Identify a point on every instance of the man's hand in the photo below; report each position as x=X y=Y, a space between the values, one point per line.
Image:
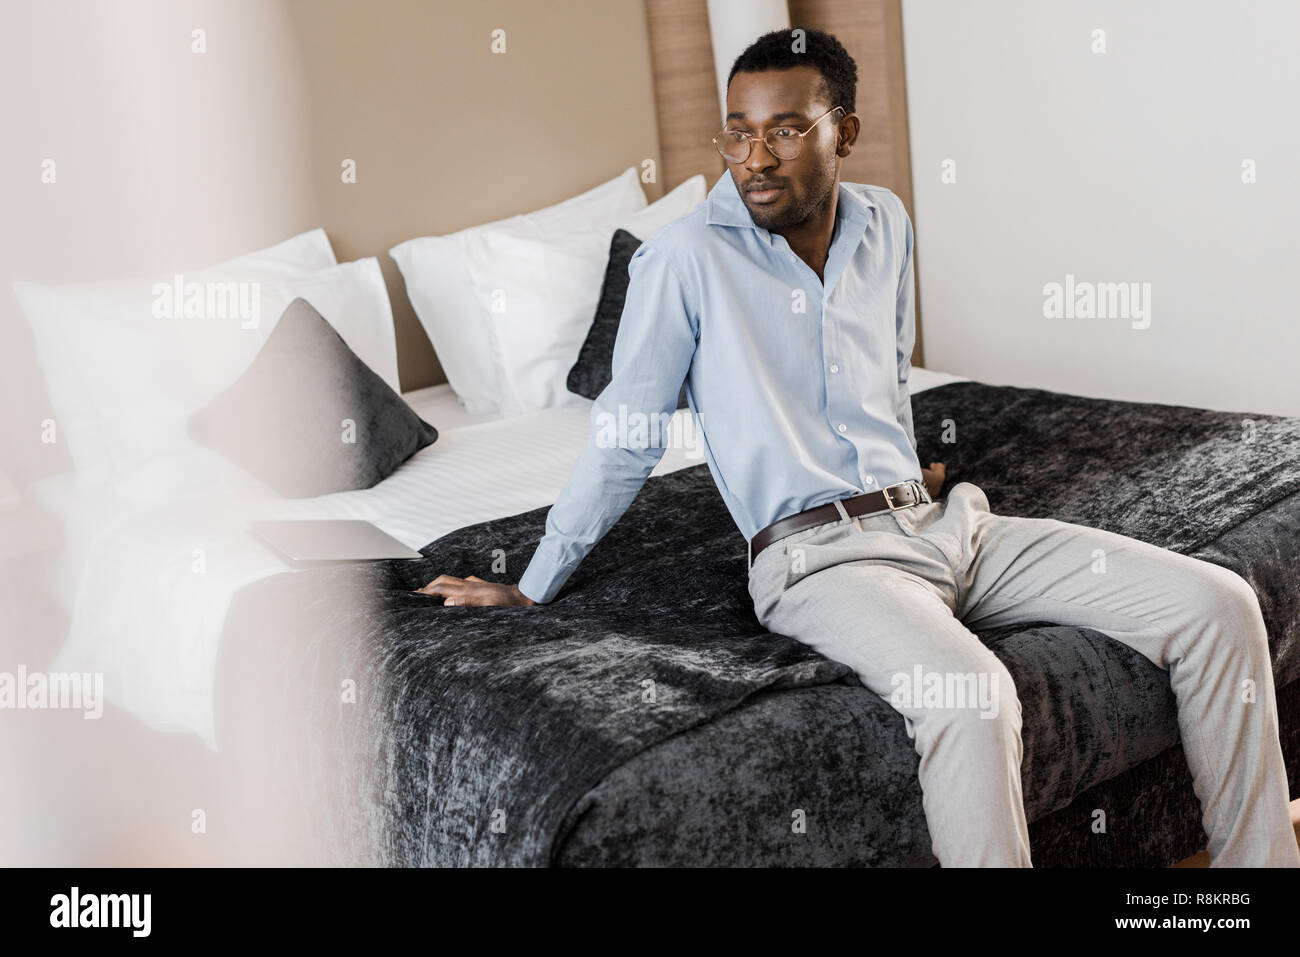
x=933 y=477
x=474 y=591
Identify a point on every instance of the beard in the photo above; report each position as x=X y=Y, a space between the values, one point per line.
x=795 y=209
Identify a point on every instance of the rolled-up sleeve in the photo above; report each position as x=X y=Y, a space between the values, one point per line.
x=905 y=324
x=653 y=349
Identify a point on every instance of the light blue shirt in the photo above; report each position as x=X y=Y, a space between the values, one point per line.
x=799 y=388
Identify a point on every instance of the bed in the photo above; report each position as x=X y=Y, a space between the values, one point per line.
x=645 y=718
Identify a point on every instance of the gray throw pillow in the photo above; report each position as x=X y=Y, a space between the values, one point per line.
x=308 y=417
x=595 y=365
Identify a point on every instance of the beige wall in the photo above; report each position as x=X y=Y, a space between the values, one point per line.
x=170 y=160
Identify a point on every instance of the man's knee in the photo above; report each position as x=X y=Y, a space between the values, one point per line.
x=1223 y=594
x=1224 y=610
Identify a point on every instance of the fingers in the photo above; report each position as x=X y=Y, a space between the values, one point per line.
x=441 y=585
x=451 y=594
x=453 y=590
x=463 y=593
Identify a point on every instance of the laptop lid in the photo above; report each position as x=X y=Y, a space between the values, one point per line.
x=330 y=540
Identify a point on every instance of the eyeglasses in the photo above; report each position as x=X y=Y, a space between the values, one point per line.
x=783 y=142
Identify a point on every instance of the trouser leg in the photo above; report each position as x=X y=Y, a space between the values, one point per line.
x=882 y=604
x=1198 y=621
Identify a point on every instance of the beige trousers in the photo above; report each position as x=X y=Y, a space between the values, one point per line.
x=894 y=595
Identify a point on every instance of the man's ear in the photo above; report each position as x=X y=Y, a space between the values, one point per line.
x=849 y=128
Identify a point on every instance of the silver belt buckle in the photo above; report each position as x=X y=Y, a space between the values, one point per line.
x=916 y=492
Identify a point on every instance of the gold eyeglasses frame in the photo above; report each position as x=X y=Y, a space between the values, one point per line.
x=798 y=138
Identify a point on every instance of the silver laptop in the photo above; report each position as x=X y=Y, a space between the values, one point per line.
x=305 y=542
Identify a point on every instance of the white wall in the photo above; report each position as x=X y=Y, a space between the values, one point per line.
x=160 y=155
x=733 y=26
x=1123 y=166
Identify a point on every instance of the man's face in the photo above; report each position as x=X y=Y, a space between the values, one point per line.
x=793 y=191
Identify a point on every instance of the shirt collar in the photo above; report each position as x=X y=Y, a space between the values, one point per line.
x=724 y=207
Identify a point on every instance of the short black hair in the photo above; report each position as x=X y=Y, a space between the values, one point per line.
x=776 y=51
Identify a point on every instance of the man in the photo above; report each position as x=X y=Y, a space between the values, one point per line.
x=786 y=304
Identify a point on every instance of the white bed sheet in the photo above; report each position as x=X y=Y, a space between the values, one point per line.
x=154 y=579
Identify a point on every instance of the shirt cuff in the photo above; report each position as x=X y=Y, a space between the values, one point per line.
x=544 y=576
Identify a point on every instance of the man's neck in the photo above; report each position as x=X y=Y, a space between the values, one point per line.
x=811 y=240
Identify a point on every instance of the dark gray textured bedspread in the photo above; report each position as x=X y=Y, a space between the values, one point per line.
x=528 y=736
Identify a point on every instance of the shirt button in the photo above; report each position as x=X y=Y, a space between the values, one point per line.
x=871 y=480
x=834 y=367
x=842 y=427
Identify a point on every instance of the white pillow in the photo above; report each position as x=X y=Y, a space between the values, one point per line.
x=306 y=252
x=126 y=368
x=437 y=282
x=85 y=333
x=540 y=293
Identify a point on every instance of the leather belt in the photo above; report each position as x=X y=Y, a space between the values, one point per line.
x=898 y=496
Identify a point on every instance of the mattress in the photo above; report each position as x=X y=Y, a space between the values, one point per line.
x=150 y=569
